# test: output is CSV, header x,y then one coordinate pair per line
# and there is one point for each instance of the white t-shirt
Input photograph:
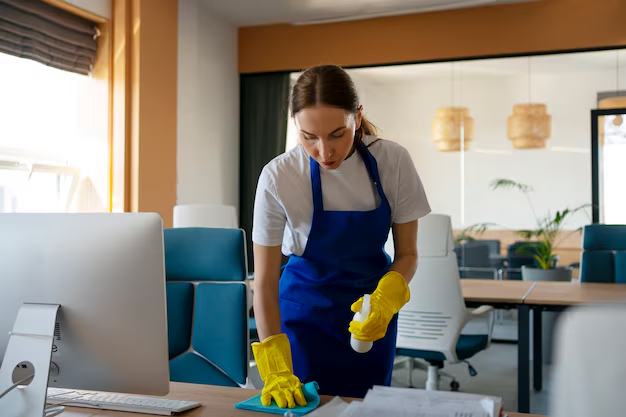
x,y
283,207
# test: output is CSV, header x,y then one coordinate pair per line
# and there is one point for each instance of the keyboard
x,y
118,402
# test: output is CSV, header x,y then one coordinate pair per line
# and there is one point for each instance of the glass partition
x,y
525,124
609,169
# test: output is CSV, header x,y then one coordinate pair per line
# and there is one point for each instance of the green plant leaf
x,y
526,234
540,251
548,227
507,184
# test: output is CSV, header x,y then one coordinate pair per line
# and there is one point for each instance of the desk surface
x,y
217,402
571,293
490,291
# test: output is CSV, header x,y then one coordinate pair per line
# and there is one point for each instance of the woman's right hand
x,y
273,358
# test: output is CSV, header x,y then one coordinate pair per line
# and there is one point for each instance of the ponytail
x,y
366,128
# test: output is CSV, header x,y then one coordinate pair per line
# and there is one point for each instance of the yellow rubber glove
x,y
273,358
390,295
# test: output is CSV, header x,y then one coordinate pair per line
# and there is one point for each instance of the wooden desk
x,y
570,294
489,291
217,402
507,294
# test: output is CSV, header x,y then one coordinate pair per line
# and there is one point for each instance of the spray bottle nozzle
x,y
365,308
361,316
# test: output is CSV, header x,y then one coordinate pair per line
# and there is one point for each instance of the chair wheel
x,y
454,386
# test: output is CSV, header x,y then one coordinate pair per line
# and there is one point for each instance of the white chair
x,y
430,324
205,215
589,363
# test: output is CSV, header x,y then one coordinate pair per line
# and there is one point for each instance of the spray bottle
x,y
359,345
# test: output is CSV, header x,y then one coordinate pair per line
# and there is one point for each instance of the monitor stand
x,y
30,347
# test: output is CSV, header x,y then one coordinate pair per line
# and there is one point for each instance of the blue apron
x,y
344,258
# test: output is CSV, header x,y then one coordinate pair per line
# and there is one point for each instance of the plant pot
x,y
530,273
548,318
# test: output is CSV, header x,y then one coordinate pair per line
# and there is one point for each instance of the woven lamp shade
x,y
446,128
530,126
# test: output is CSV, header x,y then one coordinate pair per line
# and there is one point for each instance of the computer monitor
x,y
107,273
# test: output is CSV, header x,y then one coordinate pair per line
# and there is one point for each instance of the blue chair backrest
x,y
207,305
604,254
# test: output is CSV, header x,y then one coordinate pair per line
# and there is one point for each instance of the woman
x,y
330,203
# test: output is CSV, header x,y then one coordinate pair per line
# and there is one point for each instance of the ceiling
x,y
547,64
263,12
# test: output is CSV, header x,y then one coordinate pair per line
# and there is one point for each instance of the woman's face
x,y
327,133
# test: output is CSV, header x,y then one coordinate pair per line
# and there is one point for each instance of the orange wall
x,y
540,25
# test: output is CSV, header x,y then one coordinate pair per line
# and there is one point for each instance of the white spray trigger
x,y
365,308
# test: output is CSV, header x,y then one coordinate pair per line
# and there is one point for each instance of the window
x,y
54,150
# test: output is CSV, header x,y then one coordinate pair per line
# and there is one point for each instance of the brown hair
x,y
329,85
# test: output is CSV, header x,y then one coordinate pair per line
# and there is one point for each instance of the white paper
x,y
408,397
331,409
364,410
404,402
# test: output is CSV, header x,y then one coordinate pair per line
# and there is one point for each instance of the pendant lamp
x,y
452,126
617,102
530,125
448,124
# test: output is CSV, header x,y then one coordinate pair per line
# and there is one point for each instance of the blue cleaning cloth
x,y
310,394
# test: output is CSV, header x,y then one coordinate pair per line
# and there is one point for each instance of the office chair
x,y
582,387
603,258
492,244
473,260
207,305
215,216
430,324
516,260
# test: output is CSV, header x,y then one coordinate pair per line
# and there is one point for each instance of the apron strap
x,y
372,169
316,186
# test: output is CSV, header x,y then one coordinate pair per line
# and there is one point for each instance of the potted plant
x,y
541,245
544,239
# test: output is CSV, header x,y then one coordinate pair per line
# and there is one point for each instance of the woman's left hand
x,y
391,294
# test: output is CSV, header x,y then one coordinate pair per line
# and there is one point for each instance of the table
x,y
570,294
558,296
488,291
507,294
217,402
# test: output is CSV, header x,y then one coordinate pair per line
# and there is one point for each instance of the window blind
x,y
35,30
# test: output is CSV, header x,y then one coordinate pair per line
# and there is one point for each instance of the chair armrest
x,y
482,310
